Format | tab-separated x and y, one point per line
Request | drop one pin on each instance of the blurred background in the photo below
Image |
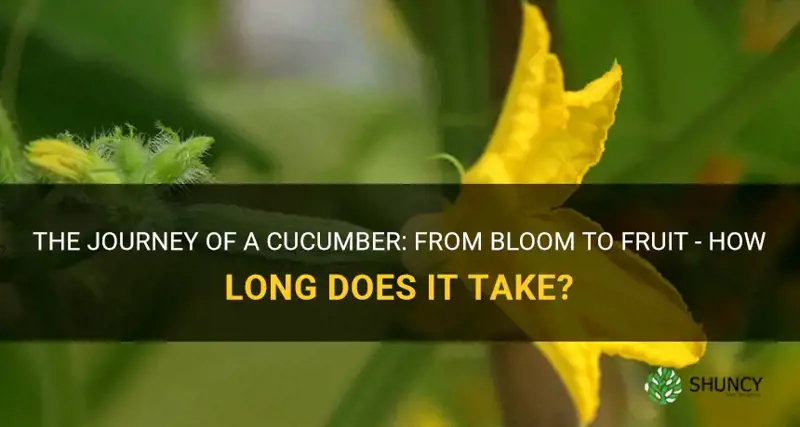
358	91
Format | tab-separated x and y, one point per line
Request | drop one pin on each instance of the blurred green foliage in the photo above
684	70
104	72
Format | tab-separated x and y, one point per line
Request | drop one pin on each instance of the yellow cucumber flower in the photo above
70	162
546	135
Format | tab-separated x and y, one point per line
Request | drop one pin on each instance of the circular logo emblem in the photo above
663	386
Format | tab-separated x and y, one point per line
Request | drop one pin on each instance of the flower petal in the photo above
534	107
559	152
636	291
59	157
520	114
673	354
592	113
567	156
70	162
578	365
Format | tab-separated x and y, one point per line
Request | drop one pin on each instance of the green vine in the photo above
11	160
121	156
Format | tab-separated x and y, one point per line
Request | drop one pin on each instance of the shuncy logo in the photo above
663	386
731	386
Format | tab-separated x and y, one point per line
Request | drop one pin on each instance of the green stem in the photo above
413	14
9	75
687	153
463	77
456	34
12	162
62	398
646	44
385	379
109	377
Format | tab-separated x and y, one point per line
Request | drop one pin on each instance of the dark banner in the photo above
399	262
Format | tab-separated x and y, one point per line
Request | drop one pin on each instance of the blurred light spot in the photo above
766	22
419	412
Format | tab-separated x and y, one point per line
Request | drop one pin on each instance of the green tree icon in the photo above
663	386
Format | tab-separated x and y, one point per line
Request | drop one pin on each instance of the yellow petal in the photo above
578	365
559	152
56	147
70	162
520	113
565	157
59	157
656	353
645	304
534	107
591	115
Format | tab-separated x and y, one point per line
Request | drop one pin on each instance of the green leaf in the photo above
658	45
723	17
141	36
724	119
58	91
775	131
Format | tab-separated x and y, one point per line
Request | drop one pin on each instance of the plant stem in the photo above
62	398
385	379
456	34
463	77
413	14
646	44
676	159
12	169
9	75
